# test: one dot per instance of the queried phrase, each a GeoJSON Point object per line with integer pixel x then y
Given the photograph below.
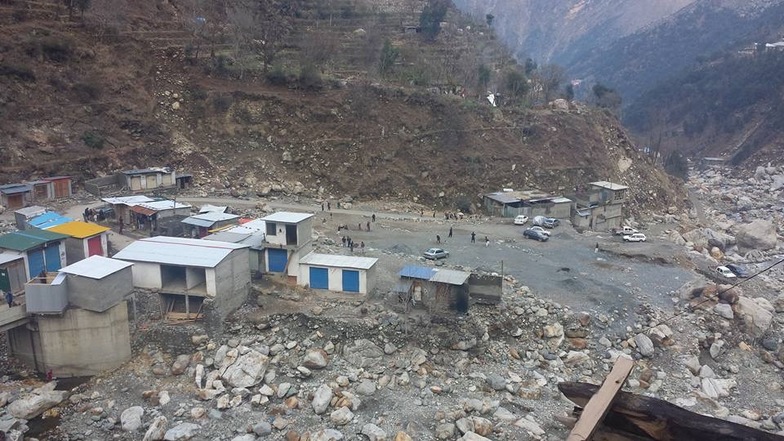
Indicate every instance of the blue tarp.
{"type": "Point", "coordinates": [417, 272]}
{"type": "Point", "coordinates": [48, 220]}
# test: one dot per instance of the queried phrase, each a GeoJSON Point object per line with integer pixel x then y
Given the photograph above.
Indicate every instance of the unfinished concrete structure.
{"type": "Point", "coordinates": [77, 319]}
{"type": "Point", "coordinates": [191, 272]}
{"type": "Point", "coordinates": [599, 206]}
{"type": "Point", "coordinates": [250, 233]}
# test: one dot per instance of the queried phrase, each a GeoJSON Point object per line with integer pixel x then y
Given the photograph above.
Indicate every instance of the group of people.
{"type": "Point", "coordinates": [347, 241]}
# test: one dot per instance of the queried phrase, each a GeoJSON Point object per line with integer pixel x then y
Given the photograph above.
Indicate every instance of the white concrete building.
{"type": "Point", "coordinates": [350, 274]}
{"type": "Point", "coordinates": [288, 237]}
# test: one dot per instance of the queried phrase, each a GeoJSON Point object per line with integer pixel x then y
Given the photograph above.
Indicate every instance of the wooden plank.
{"type": "Point", "coordinates": [663, 421]}
{"type": "Point", "coordinates": [599, 404]}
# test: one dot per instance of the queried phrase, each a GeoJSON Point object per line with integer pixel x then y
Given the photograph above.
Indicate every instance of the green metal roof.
{"type": "Point", "coordinates": [28, 239]}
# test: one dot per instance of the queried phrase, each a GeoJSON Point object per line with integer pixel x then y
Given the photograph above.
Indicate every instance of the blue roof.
{"type": "Point", "coordinates": [48, 220]}
{"type": "Point", "coordinates": [417, 272]}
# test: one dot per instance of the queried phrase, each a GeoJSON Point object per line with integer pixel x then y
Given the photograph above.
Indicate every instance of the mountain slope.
{"type": "Point", "coordinates": [84, 103]}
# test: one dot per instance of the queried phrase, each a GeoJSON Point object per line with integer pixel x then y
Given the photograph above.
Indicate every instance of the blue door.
{"type": "Point", "coordinates": [350, 280]}
{"type": "Point", "coordinates": [52, 253]}
{"type": "Point", "coordinates": [35, 261]}
{"type": "Point", "coordinates": [319, 278]}
{"type": "Point", "coordinates": [277, 260]}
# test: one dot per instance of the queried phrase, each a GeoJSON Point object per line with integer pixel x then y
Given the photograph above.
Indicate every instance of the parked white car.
{"type": "Point", "coordinates": [636, 237]}
{"type": "Point", "coordinates": [626, 231]}
{"type": "Point", "coordinates": [725, 272]}
{"type": "Point", "coordinates": [521, 220]}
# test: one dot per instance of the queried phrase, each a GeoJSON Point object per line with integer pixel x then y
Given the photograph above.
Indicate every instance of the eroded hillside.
{"type": "Point", "coordinates": [86, 103]}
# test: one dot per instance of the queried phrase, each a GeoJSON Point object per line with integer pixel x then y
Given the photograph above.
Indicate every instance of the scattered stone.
{"type": "Point", "coordinates": [315, 359]}
{"type": "Point", "coordinates": [157, 429]}
{"type": "Point", "coordinates": [131, 418]}
{"type": "Point", "coordinates": [321, 399]}
{"type": "Point", "coordinates": [183, 431]}
{"type": "Point", "coordinates": [374, 433]}
{"type": "Point", "coordinates": [342, 416]}
{"type": "Point", "coordinates": [644, 345]}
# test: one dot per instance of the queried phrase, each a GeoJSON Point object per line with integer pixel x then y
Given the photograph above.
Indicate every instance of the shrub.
{"type": "Point", "coordinates": [56, 50]}
{"type": "Point", "coordinates": [23, 73]}
{"type": "Point", "coordinates": [277, 76]}
{"type": "Point", "coordinates": [310, 78]}
{"type": "Point", "coordinates": [86, 92]}
{"type": "Point", "coordinates": [222, 103]}
{"type": "Point", "coordinates": [93, 140]}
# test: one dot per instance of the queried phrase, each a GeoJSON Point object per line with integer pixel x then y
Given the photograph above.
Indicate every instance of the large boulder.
{"type": "Point", "coordinates": [758, 235]}
{"type": "Point", "coordinates": [321, 399]}
{"type": "Point", "coordinates": [315, 359]}
{"type": "Point", "coordinates": [364, 353]}
{"type": "Point", "coordinates": [245, 370]}
{"type": "Point", "coordinates": [37, 402]}
{"type": "Point", "coordinates": [706, 237]}
{"type": "Point", "coordinates": [757, 313]}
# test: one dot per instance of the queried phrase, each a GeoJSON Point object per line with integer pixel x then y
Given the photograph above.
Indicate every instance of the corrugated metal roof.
{"type": "Point", "coordinates": [208, 219]}
{"type": "Point", "coordinates": [178, 251]}
{"type": "Point", "coordinates": [337, 260]}
{"type": "Point", "coordinates": [417, 272]}
{"type": "Point", "coordinates": [252, 236]}
{"type": "Point", "coordinates": [95, 267]}
{"type": "Point", "coordinates": [79, 229]}
{"type": "Point", "coordinates": [15, 188]}
{"type": "Point", "coordinates": [25, 240]}
{"type": "Point", "coordinates": [9, 257]}
{"type": "Point", "coordinates": [562, 200]}
{"type": "Point", "coordinates": [33, 211]}
{"type": "Point", "coordinates": [207, 208]}
{"type": "Point", "coordinates": [609, 185]}
{"type": "Point", "coordinates": [127, 200]}
{"type": "Point", "coordinates": [163, 205]}
{"type": "Point", "coordinates": [227, 236]}
{"type": "Point", "coordinates": [451, 277]}
{"type": "Point", "coordinates": [502, 198]}
{"type": "Point", "coordinates": [143, 210]}
{"type": "Point", "coordinates": [146, 171]}
{"type": "Point", "coordinates": [287, 217]}
{"type": "Point", "coordinates": [256, 224]}
{"type": "Point", "coordinates": [48, 220]}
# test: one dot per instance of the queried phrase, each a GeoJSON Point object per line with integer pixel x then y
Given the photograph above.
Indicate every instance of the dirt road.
{"type": "Point", "coordinates": [614, 281]}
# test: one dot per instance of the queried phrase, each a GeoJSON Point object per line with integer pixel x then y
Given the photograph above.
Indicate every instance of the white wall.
{"type": "Point", "coordinates": [335, 275]}
{"type": "Point", "coordinates": [147, 275]}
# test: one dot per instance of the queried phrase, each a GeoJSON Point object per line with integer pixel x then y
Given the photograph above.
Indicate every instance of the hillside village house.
{"type": "Point", "coordinates": [41, 250]}
{"type": "Point", "coordinates": [599, 206]}
{"type": "Point", "coordinates": [85, 239]}
{"type": "Point", "coordinates": [15, 196]}
{"type": "Point", "coordinates": [530, 203]}
{"type": "Point", "coordinates": [191, 272]}
{"type": "Point", "coordinates": [288, 237]}
{"type": "Point", "coordinates": [48, 220]}
{"type": "Point", "coordinates": [147, 179]}
{"type": "Point", "coordinates": [201, 224]}
{"type": "Point", "coordinates": [436, 289]}
{"type": "Point", "coordinates": [351, 274]}
{"type": "Point", "coordinates": [80, 317]}
{"type": "Point", "coordinates": [146, 215]}
{"type": "Point", "coordinates": [54, 187]}
{"type": "Point", "coordinates": [23, 216]}
{"type": "Point", "coordinates": [13, 273]}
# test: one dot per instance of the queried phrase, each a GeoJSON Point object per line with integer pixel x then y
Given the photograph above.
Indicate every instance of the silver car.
{"type": "Point", "coordinates": [436, 253]}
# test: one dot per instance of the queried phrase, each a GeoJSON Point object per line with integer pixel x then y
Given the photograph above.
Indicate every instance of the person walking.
{"type": "Point", "coordinates": [450, 232]}
{"type": "Point", "coordinates": [438, 238]}
{"type": "Point", "coordinates": [359, 226]}
{"type": "Point", "coordinates": [322, 206]}
{"type": "Point", "coordinates": [362, 247]}
{"type": "Point", "coordinates": [368, 225]}
{"type": "Point", "coordinates": [329, 206]}
{"type": "Point", "coordinates": [344, 241]}
{"type": "Point", "coordinates": [487, 241]}
{"type": "Point", "coordinates": [373, 217]}
{"type": "Point", "coordinates": [473, 237]}
{"type": "Point", "coordinates": [122, 223]}
{"type": "Point", "coordinates": [351, 246]}
{"type": "Point", "coordinates": [9, 298]}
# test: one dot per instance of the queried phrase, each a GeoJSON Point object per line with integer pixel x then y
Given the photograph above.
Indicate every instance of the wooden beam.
{"type": "Point", "coordinates": [660, 420]}
{"type": "Point", "coordinates": [600, 403]}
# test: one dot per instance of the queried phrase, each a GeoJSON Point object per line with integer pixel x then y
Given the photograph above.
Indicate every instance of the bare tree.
{"type": "Point", "coordinates": [109, 15]}
{"type": "Point", "coordinates": [318, 47]}
{"type": "Point", "coordinates": [550, 77]}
